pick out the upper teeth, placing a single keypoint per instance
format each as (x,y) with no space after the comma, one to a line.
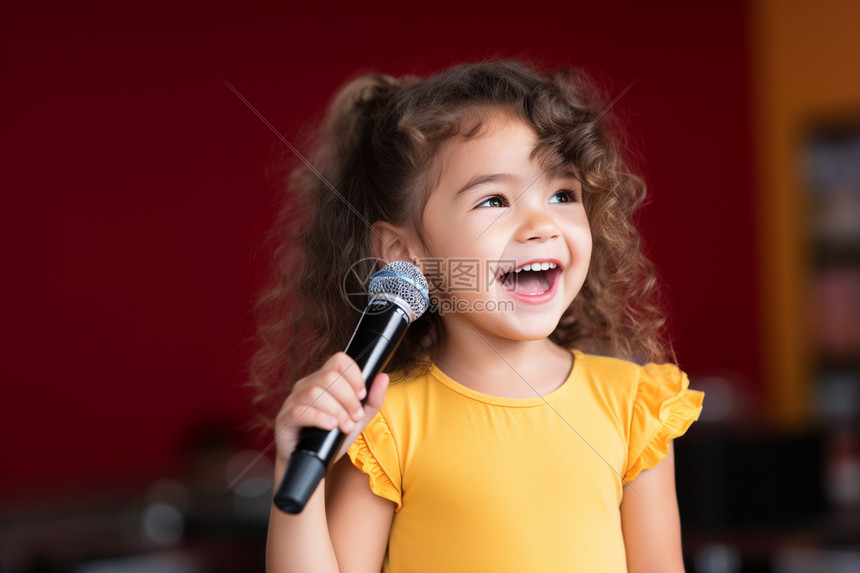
(536,267)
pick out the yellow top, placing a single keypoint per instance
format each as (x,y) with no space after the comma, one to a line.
(483,483)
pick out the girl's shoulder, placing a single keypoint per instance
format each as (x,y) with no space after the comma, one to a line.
(653,403)
(597,364)
(649,382)
(614,367)
(409,382)
(414,374)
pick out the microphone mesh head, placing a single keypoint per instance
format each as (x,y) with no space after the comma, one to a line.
(404,280)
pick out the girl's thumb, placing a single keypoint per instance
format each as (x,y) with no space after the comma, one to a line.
(377,392)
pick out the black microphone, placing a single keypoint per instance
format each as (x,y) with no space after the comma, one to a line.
(399,295)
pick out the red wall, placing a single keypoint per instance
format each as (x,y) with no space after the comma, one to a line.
(134,197)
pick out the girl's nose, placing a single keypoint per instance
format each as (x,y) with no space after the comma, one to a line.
(537,225)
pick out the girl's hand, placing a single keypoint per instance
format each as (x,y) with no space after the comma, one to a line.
(329,398)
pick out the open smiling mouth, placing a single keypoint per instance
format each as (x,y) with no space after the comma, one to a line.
(531,280)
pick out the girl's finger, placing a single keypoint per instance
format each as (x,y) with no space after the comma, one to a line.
(371,407)
(333,383)
(299,417)
(316,398)
(287,434)
(347,367)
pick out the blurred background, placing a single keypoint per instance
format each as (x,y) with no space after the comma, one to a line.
(136,195)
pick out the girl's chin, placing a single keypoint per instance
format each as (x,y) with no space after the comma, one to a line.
(530,334)
(525,331)
(520,328)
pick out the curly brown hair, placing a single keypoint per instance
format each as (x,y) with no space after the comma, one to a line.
(372,159)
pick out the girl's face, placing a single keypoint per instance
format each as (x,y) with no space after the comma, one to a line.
(493,214)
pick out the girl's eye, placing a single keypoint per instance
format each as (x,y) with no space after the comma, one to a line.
(563,196)
(494,201)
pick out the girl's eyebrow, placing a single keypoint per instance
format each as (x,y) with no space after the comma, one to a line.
(561,174)
(482,179)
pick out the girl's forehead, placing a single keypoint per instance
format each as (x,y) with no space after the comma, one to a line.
(497,137)
(503,144)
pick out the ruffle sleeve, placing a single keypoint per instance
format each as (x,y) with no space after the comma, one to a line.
(663,410)
(375,453)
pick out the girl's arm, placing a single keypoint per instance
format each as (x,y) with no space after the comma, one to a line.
(299,542)
(344,529)
(650,520)
(344,526)
(358,519)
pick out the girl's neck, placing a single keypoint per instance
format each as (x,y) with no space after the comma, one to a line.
(501,367)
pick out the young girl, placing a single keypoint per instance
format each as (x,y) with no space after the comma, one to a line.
(520,431)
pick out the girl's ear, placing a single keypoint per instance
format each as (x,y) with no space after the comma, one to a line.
(391,243)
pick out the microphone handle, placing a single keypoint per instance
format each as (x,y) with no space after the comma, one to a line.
(379,331)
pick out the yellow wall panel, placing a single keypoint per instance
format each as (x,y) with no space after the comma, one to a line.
(805,65)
